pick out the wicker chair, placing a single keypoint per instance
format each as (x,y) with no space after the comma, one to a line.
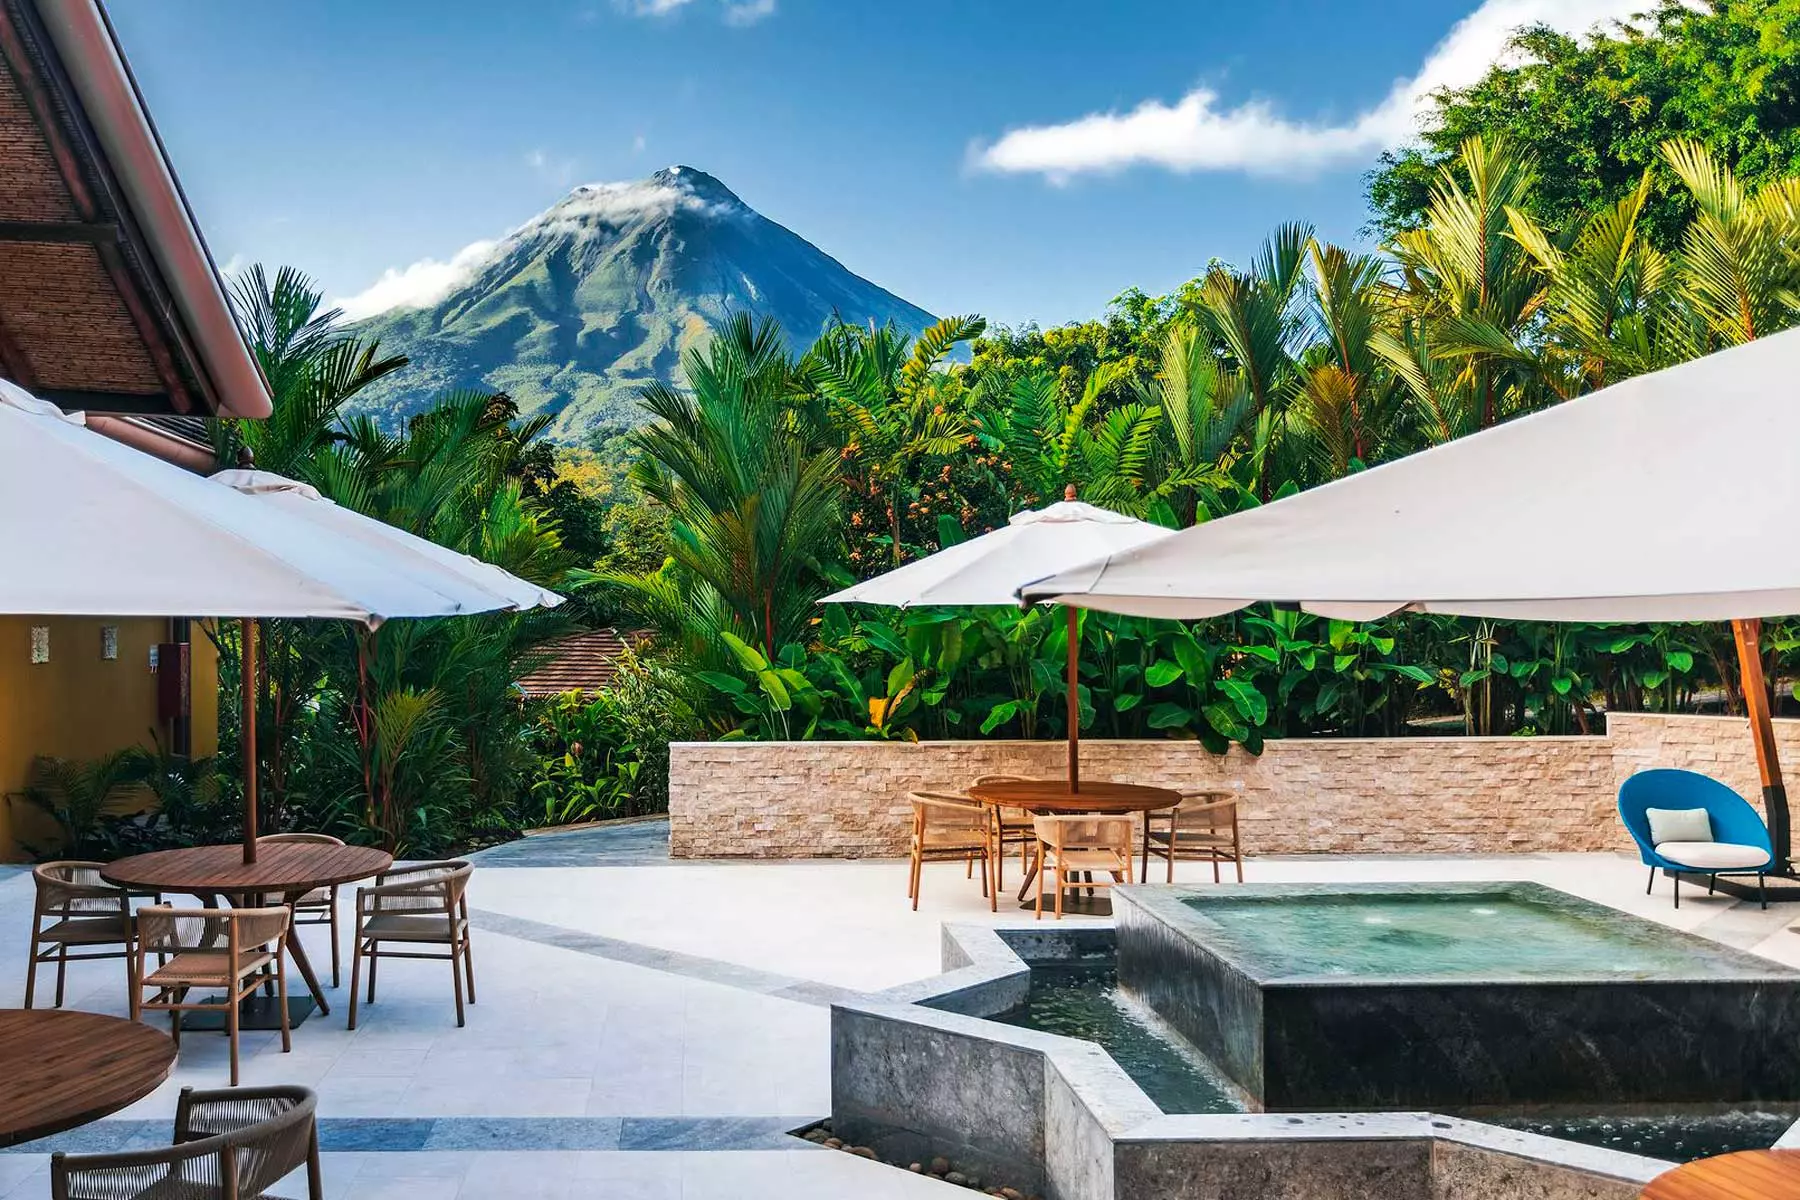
(1203,827)
(1087,845)
(229,1145)
(417,906)
(319,906)
(1011,827)
(86,915)
(945,828)
(234,950)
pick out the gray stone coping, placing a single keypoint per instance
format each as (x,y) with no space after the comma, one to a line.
(985,975)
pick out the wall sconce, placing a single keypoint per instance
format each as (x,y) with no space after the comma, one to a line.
(40,643)
(109,642)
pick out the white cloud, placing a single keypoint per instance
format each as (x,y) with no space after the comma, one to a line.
(748,12)
(734,12)
(588,211)
(1197,134)
(639,144)
(418,284)
(557,171)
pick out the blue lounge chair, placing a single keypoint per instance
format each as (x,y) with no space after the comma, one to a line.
(1740,842)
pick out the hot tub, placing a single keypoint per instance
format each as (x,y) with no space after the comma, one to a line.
(1383,996)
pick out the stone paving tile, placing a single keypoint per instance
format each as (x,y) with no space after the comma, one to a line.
(634,844)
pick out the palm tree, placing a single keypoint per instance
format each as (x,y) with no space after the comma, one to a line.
(1467,297)
(1607,299)
(882,388)
(1739,260)
(1204,409)
(752,494)
(1345,401)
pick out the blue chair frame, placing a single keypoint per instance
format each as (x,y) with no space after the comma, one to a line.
(1733,820)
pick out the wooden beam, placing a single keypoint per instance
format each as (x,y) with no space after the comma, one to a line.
(13,361)
(58,231)
(247,661)
(1748,636)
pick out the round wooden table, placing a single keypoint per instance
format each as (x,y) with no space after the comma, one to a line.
(1747,1175)
(287,869)
(1050,796)
(60,1069)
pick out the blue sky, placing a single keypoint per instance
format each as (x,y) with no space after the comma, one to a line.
(1025,159)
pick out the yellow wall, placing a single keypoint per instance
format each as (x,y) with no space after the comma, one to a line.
(80,705)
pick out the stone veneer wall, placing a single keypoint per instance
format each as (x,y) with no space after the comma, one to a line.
(1324,795)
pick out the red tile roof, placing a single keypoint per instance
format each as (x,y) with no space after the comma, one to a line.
(585,662)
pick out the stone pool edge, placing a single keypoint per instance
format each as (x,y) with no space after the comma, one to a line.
(917,1071)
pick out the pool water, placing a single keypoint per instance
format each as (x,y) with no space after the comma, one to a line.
(1085,1001)
(1467,935)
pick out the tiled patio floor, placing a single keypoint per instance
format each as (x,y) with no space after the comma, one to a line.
(648,1029)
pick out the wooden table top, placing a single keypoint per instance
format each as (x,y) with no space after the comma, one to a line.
(1748,1175)
(279,867)
(60,1069)
(1054,796)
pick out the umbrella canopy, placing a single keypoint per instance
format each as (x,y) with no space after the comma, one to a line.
(1668,497)
(403,551)
(100,529)
(989,570)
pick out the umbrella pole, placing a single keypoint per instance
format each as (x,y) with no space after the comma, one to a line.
(1748,635)
(1074,700)
(248,629)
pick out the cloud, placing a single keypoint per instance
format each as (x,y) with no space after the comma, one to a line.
(733,12)
(1198,133)
(557,171)
(639,144)
(748,12)
(591,210)
(418,284)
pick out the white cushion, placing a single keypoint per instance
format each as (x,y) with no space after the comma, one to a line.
(1679,825)
(1713,856)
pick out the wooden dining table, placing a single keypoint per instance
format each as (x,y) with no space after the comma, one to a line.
(1055,796)
(285,869)
(60,1069)
(1747,1175)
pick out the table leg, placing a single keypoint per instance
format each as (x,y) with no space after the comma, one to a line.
(297,953)
(1031,874)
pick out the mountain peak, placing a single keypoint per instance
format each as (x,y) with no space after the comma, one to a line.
(695,182)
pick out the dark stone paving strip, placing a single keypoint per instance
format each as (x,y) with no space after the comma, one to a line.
(637,844)
(674,962)
(415,1134)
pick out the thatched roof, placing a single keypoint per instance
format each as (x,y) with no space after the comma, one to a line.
(109,301)
(585,662)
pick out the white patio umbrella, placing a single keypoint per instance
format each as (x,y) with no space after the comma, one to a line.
(1673,496)
(99,529)
(989,570)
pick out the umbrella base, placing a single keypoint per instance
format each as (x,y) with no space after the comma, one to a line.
(1780,887)
(255,1012)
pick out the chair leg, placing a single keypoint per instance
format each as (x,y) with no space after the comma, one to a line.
(315,1178)
(1038,900)
(31,965)
(1762,892)
(1238,857)
(1712,881)
(456,979)
(62,969)
(355,971)
(1652,882)
(1061,884)
(334,939)
(287,1036)
(914,877)
(469,963)
(1677,879)
(374,961)
(1215,859)
(231,1031)
(1144,874)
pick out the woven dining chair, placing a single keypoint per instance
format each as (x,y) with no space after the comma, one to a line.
(947,828)
(319,906)
(1010,827)
(233,950)
(417,906)
(1090,845)
(86,915)
(1202,827)
(229,1145)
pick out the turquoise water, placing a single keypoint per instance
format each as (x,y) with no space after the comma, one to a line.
(1085,1002)
(1453,936)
